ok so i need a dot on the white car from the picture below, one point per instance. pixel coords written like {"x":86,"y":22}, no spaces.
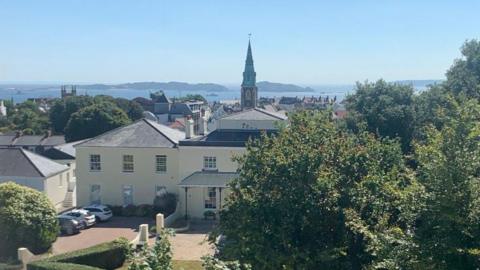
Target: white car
{"x":101,"y":212}
{"x":82,"y":216}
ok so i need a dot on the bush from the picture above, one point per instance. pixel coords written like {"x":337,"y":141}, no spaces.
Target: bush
{"x":11,"y":266}
{"x":27,"y":219}
{"x":144,"y":210}
{"x":109,"y":255}
{"x":116,"y":209}
{"x":165,"y":204}
{"x":129,"y":210}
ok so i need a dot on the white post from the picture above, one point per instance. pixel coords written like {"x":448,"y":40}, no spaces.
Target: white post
{"x":143,"y":234}
{"x":189,"y":131}
{"x":24,"y":256}
{"x":160,"y":222}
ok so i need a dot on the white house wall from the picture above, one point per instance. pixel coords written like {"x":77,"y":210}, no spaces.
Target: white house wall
{"x":111,"y":178}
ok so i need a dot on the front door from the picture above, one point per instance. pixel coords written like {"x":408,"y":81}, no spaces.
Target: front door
{"x":127,"y":194}
{"x":95,"y":197}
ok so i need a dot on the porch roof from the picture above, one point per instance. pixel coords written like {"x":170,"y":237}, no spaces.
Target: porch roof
{"x":208,"y":179}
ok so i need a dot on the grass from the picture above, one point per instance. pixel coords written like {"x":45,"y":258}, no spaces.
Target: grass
{"x":179,"y":265}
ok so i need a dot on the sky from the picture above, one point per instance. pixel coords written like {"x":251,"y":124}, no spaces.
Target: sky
{"x":302,"y":42}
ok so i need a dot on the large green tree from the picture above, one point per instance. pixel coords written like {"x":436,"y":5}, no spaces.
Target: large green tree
{"x":449,"y":227}
{"x":94,"y":120}
{"x":62,"y":110}
{"x":386,"y":109}
{"x":316,"y":197}
{"x":464,"y":75}
{"x":27,"y":219}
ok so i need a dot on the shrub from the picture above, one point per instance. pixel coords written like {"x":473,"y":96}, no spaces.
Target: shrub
{"x":109,"y":255}
{"x":11,"y":266}
{"x":144,"y":210}
{"x":27,"y":219}
{"x":165,"y":204}
{"x":116,"y":209}
{"x":129,"y":210}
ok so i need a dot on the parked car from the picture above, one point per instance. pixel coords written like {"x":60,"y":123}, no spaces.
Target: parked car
{"x":69,"y":225}
{"x":101,"y":212}
{"x":82,"y":216}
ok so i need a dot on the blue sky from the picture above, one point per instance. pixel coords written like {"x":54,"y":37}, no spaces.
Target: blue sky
{"x":304,"y":42}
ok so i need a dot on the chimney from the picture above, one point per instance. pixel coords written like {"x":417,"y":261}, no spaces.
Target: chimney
{"x":203,"y":125}
{"x":189,"y":133}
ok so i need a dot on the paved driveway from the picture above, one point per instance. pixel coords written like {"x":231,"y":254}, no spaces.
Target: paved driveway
{"x":102,"y":232}
{"x":190,"y":245}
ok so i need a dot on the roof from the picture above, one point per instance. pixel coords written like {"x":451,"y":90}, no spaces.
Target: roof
{"x":226,"y":137}
{"x":255,"y":114}
{"x":142,"y":133}
{"x":63,"y":151}
{"x":288,"y":100}
{"x":18,"y":162}
{"x":31,"y":140}
{"x":208,"y":179}
{"x":180,"y":108}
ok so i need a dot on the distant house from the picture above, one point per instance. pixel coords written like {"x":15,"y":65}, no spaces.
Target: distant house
{"x":34,"y":143}
{"x":288,"y":103}
{"x":32,"y":170}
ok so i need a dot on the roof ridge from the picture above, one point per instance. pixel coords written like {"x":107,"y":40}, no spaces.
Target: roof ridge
{"x":159,"y":131}
{"x":108,"y":132}
{"x":268,"y":113}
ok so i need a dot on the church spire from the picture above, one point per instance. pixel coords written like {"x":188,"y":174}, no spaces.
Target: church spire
{"x":249,"y":75}
{"x":249,"y":93}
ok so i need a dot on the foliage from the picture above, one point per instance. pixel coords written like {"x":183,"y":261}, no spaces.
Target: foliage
{"x":159,"y":257}
{"x":165,"y":204}
{"x":212,"y":263}
{"x":130,"y":107}
{"x":110,"y":255}
{"x":386,"y":108}
{"x":26,"y":117}
{"x":62,"y":110}
{"x":449,"y":228}
{"x":463,"y":77}
{"x":316,"y":197}
{"x":94,"y":120}
{"x":27,"y":219}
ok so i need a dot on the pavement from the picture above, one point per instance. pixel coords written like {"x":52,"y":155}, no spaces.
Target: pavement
{"x":190,"y":245}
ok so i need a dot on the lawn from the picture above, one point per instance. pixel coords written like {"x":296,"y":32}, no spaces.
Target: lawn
{"x":179,"y":265}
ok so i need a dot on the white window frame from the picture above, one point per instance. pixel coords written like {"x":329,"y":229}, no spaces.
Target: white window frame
{"x":99,"y":201}
{"x":130,"y":187}
{"x":209,"y":163}
{"x":95,"y":164}
{"x":210,"y":202}
{"x":159,"y":164}
{"x":128,"y":165}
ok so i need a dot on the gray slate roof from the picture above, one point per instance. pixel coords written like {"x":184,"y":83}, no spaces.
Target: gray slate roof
{"x":255,"y":114}
{"x":63,"y":151}
{"x":18,"y":162}
{"x":31,"y":140}
{"x":208,"y":179}
{"x":142,"y":133}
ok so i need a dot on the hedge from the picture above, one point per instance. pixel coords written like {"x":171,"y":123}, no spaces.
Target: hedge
{"x":10,"y":266}
{"x":110,"y":255}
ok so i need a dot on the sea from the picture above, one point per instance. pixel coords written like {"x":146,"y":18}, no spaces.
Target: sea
{"x":22,"y":92}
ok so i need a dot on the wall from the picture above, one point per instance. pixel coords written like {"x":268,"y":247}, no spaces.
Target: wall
{"x":111,"y":178}
{"x":55,"y":192}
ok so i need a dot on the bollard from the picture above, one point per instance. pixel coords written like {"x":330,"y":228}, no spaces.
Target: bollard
{"x":160,"y":222}
{"x":143,"y":234}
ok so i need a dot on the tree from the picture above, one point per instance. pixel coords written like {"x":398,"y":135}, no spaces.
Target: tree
{"x":464,"y":75}
{"x":132,"y":108}
{"x":27,"y":219}
{"x":316,"y":197}
{"x":94,"y":120}
{"x":449,"y":227}
{"x":159,"y":257}
{"x":62,"y":110}
{"x":386,"y":109}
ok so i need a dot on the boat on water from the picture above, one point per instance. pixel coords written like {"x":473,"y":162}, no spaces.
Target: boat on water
{"x":211,"y":95}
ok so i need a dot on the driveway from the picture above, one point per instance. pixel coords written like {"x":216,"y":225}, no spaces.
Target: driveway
{"x":190,"y":245}
{"x":102,"y":232}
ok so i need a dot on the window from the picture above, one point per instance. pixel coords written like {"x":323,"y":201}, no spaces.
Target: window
{"x":60,"y":180}
{"x":127,"y":191}
{"x":209,"y":163}
{"x":95,"y":194}
{"x":211,"y":198}
{"x":95,"y":163}
{"x":160,"y":163}
{"x":160,"y":190}
{"x":128,"y":163}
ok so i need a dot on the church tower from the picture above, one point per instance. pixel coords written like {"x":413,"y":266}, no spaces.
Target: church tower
{"x":249,"y":93}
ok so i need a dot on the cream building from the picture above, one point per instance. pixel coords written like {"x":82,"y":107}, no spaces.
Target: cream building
{"x":30,"y":169}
